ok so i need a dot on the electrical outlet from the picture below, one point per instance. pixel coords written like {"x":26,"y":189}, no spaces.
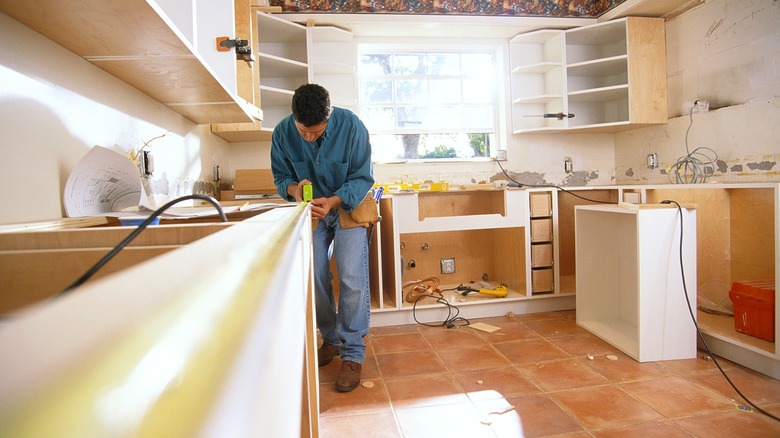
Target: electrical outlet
{"x":701,"y":106}
{"x":448,"y":266}
{"x":652,"y":160}
{"x":568,"y":166}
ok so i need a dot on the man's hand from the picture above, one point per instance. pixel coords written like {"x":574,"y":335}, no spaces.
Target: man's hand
{"x":321,"y":206}
{"x":296,"y":190}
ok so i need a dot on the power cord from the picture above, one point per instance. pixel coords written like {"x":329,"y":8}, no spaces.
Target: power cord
{"x":692,"y":168}
{"x":515,"y":183}
{"x":428,"y":288}
{"x":142,"y":226}
{"x":696,"y":324}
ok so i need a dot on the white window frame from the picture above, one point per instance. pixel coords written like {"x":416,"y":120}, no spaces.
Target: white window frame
{"x":495,"y":48}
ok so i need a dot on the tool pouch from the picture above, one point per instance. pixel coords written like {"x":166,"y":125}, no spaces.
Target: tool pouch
{"x":363,"y":215}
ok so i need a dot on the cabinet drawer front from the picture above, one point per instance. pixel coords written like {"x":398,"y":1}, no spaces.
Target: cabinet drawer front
{"x":541,"y":255}
{"x":541,"y":230}
{"x":541,"y":204}
{"x":542,"y":280}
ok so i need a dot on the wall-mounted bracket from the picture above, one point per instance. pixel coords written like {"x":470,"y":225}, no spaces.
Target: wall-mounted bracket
{"x":243,"y":50}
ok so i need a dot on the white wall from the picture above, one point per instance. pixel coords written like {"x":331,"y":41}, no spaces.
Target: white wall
{"x":55,"y":106}
{"x":726,"y":52}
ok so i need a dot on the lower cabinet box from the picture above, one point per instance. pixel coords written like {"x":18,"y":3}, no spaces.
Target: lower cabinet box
{"x":754,"y":308}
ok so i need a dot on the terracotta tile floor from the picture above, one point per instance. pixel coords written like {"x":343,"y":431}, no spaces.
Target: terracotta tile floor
{"x":534,"y":378}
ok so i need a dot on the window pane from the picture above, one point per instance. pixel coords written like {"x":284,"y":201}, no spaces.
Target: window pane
{"x":411,"y":117}
{"x":445,"y":90}
{"x":447,"y":117}
{"x":444,"y":64}
{"x":374,"y":64}
{"x":409,"y":64}
{"x":478,"y":117}
{"x":477,"y":91}
{"x":379,"y":117}
{"x":411,"y":91}
{"x":376,"y":91}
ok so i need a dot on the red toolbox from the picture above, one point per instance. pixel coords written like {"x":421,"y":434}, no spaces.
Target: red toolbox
{"x":754,"y":308}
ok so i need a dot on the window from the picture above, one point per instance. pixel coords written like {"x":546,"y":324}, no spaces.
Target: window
{"x":428,"y":104}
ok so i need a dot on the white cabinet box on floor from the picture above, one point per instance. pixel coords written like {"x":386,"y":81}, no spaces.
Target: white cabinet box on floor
{"x":629,"y":280}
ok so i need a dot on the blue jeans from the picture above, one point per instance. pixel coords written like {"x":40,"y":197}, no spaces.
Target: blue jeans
{"x":347,"y":324}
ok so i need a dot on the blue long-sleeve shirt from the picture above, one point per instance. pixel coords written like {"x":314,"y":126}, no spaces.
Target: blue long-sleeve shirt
{"x":340,"y":166}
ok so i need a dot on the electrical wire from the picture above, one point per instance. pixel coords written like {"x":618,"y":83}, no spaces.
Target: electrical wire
{"x":696,"y":324}
{"x":142,"y":226}
{"x":552,"y":186}
{"x":692,"y":168}
{"x":428,"y":288}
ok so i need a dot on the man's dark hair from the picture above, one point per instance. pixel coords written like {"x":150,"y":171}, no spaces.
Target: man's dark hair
{"x":311,"y":105}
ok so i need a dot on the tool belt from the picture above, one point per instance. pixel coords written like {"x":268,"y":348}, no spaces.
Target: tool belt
{"x":363,"y":215}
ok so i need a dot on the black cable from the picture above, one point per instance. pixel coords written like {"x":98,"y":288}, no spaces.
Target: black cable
{"x":135,"y":233}
{"x":451,"y":321}
{"x":552,"y":186}
{"x":696,"y":324}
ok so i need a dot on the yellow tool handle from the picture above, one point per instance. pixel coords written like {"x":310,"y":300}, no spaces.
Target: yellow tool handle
{"x":499,"y":291}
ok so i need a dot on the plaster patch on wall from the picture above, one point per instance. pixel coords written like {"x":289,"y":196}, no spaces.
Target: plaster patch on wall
{"x":630,"y":172}
{"x":528,"y":178}
{"x":736,"y":168}
{"x":763,"y":165}
{"x":580,"y":178}
{"x":722,"y":166}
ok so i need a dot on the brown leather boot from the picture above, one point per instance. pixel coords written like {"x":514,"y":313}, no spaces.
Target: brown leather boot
{"x":325,"y":353}
{"x":349,"y":377}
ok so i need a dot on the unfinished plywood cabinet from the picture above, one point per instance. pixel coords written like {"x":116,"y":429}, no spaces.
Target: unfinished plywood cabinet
{"x":485,"y":232}
{"x":738,"y":226}
{"x":605,"y":77}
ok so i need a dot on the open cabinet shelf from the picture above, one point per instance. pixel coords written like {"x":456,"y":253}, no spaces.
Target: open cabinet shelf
{"x":610,"y":76}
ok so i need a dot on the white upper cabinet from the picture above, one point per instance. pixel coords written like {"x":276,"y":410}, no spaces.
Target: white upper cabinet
{"x":289,"y":55}
{"x":605,"y":77}
{"x":165,"y":49}
{"x":538,"y":84}
{"x":333,"y":64}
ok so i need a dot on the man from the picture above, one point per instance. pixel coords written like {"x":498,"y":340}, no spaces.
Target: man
{"x":329,"y":148}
